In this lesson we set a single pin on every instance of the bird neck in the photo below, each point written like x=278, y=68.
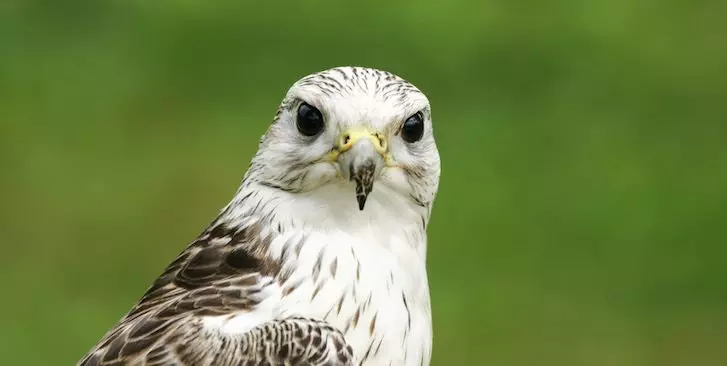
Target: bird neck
x=389, y=220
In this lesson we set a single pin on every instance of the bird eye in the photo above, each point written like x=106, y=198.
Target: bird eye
x=309, y=120
x=413, y=128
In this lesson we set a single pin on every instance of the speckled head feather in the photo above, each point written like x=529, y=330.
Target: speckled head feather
x=319, y=258
x=349, y=97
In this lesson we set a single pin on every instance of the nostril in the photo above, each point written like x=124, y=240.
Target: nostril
x=346, y=138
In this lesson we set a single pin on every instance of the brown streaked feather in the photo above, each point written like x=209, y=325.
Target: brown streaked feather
x=217, y=274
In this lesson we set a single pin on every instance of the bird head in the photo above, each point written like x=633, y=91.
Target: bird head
x=358, y=130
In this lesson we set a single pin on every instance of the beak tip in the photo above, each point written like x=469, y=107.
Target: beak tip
x=362, y=173
x=361, y=201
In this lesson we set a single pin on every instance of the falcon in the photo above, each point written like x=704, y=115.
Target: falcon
x=320, y=256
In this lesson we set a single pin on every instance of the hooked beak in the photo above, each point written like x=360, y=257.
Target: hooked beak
x=361, y=154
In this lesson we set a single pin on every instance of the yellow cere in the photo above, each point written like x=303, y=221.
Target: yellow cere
x=350, y=137
x=354, y=134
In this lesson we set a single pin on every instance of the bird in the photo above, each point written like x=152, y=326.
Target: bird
x=319, y=258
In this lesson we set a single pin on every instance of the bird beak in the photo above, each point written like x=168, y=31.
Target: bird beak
x=361, y=154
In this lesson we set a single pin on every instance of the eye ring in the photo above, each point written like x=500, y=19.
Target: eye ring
x=309, y=120
x=412, y=129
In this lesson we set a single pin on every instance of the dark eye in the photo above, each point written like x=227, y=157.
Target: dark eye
x=309, y=120
x=413, y=128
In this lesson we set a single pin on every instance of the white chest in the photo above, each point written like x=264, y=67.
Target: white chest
x=362, y=271
x=380, y=300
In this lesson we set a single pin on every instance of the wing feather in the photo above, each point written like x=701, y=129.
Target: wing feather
x=220, y=273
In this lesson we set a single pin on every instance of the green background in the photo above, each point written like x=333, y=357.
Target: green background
x=582, y=214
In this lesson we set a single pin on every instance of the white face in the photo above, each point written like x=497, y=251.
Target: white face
x=357, y=127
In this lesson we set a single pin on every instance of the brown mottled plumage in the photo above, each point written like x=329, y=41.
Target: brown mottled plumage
x=218, y=274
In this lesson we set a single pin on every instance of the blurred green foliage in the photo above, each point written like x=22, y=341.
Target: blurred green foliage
x=582, y=215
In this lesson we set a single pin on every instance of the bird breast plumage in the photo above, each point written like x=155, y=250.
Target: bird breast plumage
x=364, y=290
x=378, y=301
